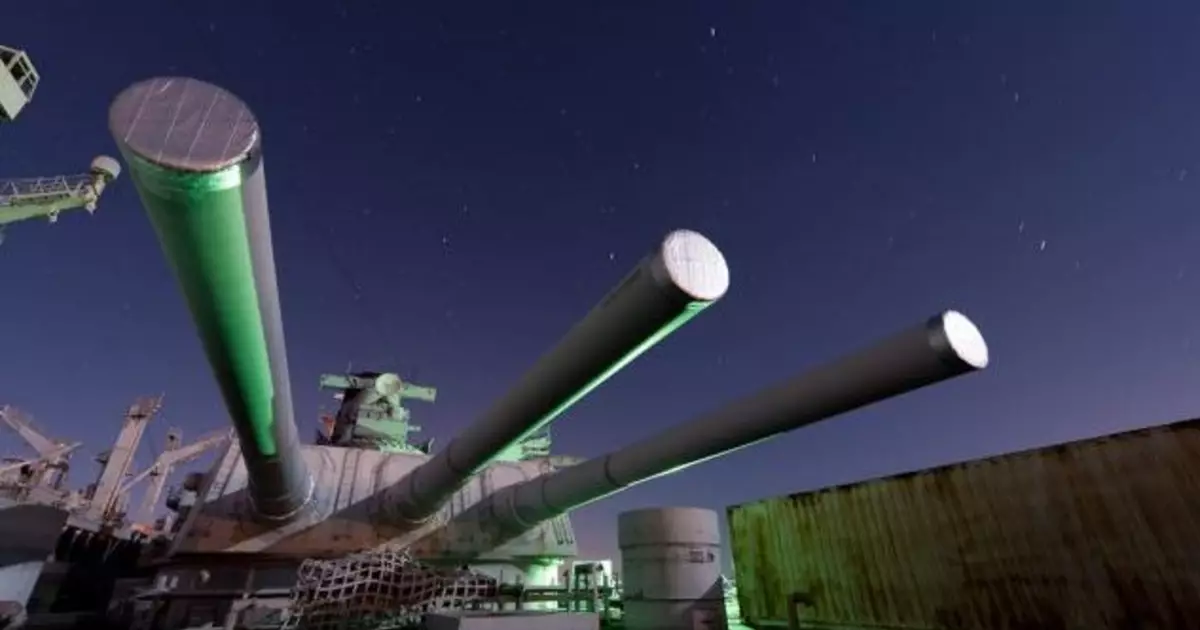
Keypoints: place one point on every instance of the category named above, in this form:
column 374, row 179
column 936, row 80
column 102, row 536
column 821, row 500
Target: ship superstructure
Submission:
column 371, row 414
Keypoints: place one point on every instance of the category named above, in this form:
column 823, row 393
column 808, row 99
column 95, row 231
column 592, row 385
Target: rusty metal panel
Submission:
column 1094, row 534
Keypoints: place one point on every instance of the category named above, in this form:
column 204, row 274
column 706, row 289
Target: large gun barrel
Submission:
column 677, row 281
column 946, row 346
column 195, row 156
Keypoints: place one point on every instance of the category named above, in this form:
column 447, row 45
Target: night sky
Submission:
column 452, row 187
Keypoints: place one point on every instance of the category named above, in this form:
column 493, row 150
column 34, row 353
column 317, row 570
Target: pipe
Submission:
column 681, row 278
column 194, row 154
column 944, row 347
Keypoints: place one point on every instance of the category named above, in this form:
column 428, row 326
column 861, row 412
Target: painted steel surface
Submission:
column 670, row 569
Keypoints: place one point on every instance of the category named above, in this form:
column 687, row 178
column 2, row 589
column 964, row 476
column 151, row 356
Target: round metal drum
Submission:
column 671, row 569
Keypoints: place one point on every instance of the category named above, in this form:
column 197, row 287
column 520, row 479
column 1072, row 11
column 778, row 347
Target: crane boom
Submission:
column 16, row 421
column 166, row 461
column 32, row 197
column 58, row 452
column 52, row 455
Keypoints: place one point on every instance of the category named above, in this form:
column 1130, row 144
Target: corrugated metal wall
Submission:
column 1103, row 533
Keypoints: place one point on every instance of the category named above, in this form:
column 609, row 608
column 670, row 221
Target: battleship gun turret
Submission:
column 195, row 155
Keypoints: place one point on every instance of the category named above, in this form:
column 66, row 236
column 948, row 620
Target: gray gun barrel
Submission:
column 195, row 157
column 946, row 346
column 678, row 280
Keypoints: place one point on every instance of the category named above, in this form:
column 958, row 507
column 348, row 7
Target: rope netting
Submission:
column 379, row 589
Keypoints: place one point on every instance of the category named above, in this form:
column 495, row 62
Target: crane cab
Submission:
column 18, row 82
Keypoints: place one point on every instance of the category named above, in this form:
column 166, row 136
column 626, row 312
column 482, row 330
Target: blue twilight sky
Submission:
column 453, row 184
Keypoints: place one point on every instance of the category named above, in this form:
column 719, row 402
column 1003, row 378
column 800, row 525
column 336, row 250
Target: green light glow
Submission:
column 691, row 310
column 201, row 226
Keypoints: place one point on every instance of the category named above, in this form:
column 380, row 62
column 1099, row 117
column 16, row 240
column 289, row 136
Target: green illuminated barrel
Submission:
column 945, row 346
column 193, row 151
column 682, row 277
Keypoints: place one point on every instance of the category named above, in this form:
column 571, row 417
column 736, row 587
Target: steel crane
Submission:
column 32, row 197
column 174, row 454
column 17, row 463
column 52, row 454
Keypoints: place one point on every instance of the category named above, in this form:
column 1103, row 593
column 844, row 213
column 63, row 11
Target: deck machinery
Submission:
column 194, row 153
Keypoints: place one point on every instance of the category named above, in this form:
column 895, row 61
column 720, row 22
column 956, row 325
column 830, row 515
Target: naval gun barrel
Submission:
column 678, row 280
column 195, row 156
column 946, row 346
